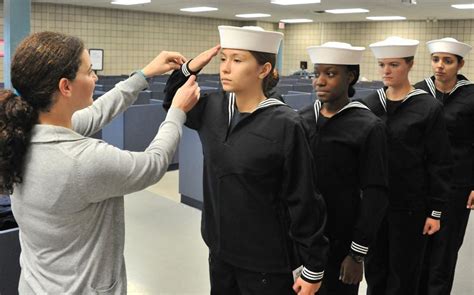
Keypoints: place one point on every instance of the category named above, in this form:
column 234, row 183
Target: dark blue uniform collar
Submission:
column 383, row 96
column 353, row 104
column 462, row 81
column 263, row 104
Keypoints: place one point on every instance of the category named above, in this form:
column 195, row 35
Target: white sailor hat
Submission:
column 449, row 45
column 250, row 38
column 394, row 47
column 335, row 53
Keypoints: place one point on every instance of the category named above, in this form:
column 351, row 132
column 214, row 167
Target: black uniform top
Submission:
column 459, row 117
column 420, row 159
column 259, row 207
column 350, row 153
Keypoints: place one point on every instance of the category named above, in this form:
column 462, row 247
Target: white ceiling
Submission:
column 424, row 9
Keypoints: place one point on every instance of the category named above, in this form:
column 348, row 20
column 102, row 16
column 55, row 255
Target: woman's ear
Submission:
column 64, row 87
column 461, row 64
column 351, row 77
column 265, row 70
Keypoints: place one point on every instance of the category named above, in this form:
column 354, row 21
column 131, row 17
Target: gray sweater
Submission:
column 70, row 206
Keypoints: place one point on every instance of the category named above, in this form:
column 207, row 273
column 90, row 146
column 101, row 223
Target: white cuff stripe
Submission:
column 312, row 275
column 359, row 248
column 184, row 69
column 436, row 214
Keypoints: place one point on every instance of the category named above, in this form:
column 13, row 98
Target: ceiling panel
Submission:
column 424, row 9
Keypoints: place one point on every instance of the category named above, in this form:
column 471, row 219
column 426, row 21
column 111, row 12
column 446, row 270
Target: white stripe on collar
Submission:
column 351, row 105
column 263, row 104
column 431, row 86
column 383, row 96
column 461, row 83
column 231, row 106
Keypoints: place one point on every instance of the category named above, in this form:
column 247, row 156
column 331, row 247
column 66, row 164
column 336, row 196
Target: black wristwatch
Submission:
column 356, row 258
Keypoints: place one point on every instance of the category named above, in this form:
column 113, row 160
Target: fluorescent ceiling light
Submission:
column 463, row 6
column 294, row 2
column 199, row 9
column 130, row 2
column 386, row 17
column 252, row 15
column 347, row 10
column 296, row 20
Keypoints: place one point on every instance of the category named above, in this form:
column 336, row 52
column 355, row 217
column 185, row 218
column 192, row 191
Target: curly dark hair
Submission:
column 40, row 62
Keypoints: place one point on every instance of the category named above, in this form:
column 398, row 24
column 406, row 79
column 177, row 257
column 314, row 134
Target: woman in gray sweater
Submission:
column 67, row 189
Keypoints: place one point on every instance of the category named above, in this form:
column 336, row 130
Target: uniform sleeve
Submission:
column 93, row 118
column 175, row 81
column 306, row 208
column 439, row 162
column 111, row 172
column 373, row 176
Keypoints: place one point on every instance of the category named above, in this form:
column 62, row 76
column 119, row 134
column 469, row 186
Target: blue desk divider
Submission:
column 143, row 97
column 157, row 86
column 191, row 169
column 97, row 94
column 283, row 88
column 303, row 88
column 298, row 100
column 209, row 83
column 361, row 93
column 134, row 129
column 313, row 94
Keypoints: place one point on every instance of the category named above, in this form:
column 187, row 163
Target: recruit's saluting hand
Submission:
column 203, row 59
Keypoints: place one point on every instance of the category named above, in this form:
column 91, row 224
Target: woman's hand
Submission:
column 164, row 62
column 431, row 226
column 302, row 287
column 470, row 201
column 203, row 59
column 351, row 271
column 187, row 95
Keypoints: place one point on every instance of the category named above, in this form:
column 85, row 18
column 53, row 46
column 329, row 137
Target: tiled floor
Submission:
column 165, row 254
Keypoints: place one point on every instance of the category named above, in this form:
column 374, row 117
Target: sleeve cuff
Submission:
column 311, row 276
column 435, row 214
column 186, row 71
column 359, row 249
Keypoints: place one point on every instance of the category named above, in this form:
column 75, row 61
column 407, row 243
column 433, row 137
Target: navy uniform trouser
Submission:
column 227, row 279
column 442, row 250
column 394, row 262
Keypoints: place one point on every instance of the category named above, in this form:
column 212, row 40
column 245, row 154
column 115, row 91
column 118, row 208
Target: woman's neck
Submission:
column 329, row 109
column 446, row 86
column 399, row 92
column 248, row 100
column 56, row 116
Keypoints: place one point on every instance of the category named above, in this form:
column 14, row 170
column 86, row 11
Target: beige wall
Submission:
column 131, row 39
column 298, row 37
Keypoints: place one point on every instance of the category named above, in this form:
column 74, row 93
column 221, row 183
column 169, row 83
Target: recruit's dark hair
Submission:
column 409, row 59
column 40, row 61
column 271, row 80
column 355, row 70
